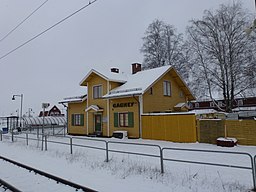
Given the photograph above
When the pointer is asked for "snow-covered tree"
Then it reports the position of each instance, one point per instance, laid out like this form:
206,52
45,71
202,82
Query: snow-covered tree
222,53
162,46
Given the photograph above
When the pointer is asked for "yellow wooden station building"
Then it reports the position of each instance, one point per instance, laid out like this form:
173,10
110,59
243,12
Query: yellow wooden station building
116,101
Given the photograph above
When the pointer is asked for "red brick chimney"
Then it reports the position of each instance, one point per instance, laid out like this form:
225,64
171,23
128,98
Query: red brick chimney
136,67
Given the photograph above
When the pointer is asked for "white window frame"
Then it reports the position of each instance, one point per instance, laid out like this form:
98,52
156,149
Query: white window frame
167,88
99,93
78,119
123,119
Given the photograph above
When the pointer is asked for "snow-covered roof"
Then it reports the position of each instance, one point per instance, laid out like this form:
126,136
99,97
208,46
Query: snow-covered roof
172,113
180,105
204,111
244,109
141,81
75,99
107,75
138,82
94,108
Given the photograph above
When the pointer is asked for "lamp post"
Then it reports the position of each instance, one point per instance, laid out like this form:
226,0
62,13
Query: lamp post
21,102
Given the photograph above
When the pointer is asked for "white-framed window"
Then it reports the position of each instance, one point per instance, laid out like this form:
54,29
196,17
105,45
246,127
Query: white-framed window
97,91
211,104
151,91
167,88
78,119
240,102
123,120
196,105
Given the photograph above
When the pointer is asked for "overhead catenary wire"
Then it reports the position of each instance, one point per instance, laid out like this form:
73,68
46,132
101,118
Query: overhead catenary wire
10,32
48,29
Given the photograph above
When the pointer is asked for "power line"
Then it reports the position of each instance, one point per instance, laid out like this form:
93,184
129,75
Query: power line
23,21
46,30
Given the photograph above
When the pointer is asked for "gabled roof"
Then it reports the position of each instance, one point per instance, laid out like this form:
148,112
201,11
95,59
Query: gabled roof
107,75
140,82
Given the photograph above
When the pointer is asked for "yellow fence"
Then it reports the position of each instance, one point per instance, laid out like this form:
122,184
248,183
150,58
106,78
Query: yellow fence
169,127
243,130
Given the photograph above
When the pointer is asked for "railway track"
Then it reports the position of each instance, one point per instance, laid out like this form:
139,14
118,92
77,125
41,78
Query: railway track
17,177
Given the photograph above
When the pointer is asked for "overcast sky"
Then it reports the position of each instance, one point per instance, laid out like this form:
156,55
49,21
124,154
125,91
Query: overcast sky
106,34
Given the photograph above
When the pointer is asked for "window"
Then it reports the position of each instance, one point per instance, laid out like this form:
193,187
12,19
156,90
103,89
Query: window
77,119
97,91
240,102
211,104
124,119
151,91
196,105
167,88
220,104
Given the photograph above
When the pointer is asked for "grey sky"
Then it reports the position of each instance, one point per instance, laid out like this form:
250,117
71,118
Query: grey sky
106,34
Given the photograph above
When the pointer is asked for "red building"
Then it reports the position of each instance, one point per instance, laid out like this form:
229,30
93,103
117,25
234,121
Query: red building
54,111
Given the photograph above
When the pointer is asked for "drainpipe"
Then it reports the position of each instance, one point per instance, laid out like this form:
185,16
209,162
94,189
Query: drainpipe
140,134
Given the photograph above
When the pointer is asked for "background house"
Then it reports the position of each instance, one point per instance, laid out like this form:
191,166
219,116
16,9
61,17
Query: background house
54,111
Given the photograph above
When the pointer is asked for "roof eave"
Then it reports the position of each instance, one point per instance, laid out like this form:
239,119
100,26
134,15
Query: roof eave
120,96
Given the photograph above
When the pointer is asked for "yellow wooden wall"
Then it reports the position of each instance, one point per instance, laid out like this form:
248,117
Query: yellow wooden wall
102,103
208,130
77,108
157,102
133,132
243,130
176,128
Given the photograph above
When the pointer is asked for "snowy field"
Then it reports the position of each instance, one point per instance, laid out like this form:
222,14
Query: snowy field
128,172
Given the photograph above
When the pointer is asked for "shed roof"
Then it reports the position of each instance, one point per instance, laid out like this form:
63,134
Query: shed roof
75,99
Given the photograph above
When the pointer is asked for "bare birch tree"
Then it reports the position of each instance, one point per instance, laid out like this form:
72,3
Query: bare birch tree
223,55
162,46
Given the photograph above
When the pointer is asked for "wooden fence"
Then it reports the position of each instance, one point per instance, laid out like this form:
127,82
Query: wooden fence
243,130
169,127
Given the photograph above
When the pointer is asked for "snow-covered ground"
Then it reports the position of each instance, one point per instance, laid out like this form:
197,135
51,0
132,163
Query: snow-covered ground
127,172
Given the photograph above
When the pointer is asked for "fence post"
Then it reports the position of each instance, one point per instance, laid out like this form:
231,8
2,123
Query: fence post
27,138
71,148
12,135
254,172
106,151
45,142
64,131
161,160
42,142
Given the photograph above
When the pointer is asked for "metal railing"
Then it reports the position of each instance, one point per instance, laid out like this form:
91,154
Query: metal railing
136,153
107,147
252,166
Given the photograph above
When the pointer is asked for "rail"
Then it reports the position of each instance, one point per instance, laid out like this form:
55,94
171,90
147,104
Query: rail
7,185
53,177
